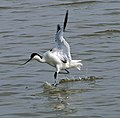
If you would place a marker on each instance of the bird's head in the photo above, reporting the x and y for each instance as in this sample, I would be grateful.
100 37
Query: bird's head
34 56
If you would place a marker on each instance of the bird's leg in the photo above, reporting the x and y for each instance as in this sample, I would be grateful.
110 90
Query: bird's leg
67 71
55 74
55 77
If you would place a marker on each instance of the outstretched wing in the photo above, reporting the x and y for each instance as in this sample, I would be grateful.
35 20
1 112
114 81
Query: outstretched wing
61 43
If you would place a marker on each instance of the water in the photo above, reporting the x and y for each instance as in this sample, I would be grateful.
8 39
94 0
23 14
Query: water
93 30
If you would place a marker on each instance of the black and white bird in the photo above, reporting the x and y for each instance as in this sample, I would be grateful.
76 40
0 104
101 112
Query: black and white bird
59 56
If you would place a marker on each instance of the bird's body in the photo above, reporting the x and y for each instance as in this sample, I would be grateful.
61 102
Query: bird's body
54 60
59 56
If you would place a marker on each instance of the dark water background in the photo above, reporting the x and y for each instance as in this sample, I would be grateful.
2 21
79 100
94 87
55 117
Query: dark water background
93 31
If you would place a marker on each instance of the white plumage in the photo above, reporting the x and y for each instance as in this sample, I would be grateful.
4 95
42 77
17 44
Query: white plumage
59 56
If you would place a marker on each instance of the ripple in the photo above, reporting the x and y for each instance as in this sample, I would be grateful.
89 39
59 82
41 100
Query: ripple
26 35
3 94
109 31
8 7
100 33
24 114
74 3
7 31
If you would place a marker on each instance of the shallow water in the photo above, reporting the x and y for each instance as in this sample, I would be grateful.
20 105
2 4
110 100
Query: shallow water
93 32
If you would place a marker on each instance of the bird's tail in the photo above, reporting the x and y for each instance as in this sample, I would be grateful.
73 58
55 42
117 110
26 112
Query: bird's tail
76 64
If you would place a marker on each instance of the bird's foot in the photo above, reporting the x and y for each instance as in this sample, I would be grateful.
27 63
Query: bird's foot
55 84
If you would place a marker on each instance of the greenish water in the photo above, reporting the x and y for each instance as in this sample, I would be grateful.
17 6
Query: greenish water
93 32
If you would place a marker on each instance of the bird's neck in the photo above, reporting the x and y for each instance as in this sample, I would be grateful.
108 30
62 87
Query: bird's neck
39 58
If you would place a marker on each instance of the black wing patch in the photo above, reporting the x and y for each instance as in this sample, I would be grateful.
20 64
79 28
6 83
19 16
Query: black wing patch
65 21
58 28
64 61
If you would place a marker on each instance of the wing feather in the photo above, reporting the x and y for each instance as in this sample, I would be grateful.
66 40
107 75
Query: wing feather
61 43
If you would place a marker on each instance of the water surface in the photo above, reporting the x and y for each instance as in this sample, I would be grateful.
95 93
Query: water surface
93 32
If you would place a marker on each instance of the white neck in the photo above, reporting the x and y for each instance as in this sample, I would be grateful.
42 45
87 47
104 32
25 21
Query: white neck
39 59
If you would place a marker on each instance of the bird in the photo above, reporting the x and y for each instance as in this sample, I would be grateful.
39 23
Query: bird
59 56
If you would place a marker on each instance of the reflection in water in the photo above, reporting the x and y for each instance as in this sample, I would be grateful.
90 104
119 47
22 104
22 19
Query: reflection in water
61 93
58 94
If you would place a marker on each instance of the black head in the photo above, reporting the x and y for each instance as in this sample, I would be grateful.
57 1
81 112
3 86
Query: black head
32 56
